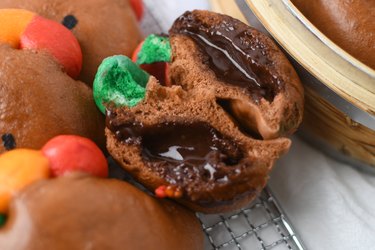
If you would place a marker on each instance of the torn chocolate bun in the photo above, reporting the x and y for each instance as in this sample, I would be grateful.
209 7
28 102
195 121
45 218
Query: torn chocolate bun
188 143
248 73
210 140
82 212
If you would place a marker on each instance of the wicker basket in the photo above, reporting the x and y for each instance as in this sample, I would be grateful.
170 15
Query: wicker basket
340 90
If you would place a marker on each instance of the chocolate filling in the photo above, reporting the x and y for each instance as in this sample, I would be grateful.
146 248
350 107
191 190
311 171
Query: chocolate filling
182 153
234 53
179 152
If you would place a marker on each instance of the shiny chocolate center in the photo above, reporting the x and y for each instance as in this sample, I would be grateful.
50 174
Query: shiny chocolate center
232 51
183 152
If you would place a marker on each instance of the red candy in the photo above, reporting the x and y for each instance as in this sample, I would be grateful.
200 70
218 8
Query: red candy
168 191
138 8
67 153
23 29
160 192
44 34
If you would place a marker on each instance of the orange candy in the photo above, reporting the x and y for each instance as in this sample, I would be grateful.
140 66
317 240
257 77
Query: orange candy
19 168
13 24
169 191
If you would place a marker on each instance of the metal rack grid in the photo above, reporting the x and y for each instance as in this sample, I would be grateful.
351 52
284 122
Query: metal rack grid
261 225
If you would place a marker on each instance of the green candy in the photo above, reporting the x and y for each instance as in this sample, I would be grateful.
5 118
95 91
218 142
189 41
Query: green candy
155 49
119 81
2 219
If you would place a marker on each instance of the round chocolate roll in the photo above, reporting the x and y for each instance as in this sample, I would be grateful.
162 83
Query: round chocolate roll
82 212
211 139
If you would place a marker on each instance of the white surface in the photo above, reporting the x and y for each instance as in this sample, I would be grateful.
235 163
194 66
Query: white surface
330 204
169 10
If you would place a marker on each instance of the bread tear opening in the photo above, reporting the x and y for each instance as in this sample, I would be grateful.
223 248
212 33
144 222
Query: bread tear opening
245 123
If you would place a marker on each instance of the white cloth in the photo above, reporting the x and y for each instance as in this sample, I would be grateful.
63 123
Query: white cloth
166 11
330 204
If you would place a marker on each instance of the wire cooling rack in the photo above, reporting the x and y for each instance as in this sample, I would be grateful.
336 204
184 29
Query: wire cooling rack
261 225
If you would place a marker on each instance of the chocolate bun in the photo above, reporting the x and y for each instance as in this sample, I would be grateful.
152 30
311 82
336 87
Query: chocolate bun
211 138
40 101
81 212
350 24
187 141
102 27
256 82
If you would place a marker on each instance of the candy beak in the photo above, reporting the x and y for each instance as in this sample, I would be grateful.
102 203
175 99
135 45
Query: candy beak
23 29
60 42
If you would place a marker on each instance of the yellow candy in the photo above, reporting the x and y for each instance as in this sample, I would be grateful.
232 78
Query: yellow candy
19 168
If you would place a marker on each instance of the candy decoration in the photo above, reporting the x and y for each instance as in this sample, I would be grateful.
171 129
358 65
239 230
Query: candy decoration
177 193
62 154
136 52
13 23
153 55
138 8
8 141
119 81
69 21
160 192
19 168
159 70
154 49
168 191
25 30
67 153
49 35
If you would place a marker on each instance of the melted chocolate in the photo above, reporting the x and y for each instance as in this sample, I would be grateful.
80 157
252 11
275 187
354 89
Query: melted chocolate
232 51
182 153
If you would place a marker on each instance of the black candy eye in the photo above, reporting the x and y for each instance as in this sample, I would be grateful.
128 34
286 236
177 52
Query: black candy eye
69 21
8 141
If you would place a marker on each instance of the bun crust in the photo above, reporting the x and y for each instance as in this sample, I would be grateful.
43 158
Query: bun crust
350 24
79 211
39 101
103 27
